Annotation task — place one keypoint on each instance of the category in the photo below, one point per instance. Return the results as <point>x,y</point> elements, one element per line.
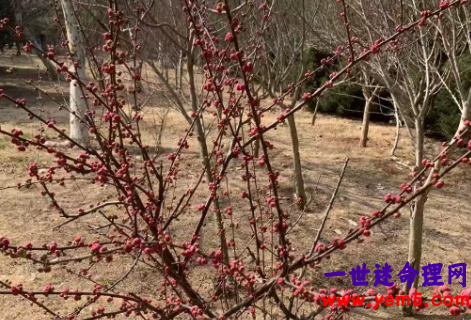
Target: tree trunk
<point>166,70</point>
<point>415,243</point>
<point>18,48</point>
<point>365,127</point>
<point>415,239</point>
<point>256,152</point>
<point>160,55</point>
<point>77,105</point>
<point>465,113</point>
<point>50,68</point>
<point>314,115</point>
<point>205,157</point>
<point>417,217</point>
<point>419,147</point>
<point>298,174</point>
<point>398,127</point>
<point>179,71</point>
<point>18,21</point>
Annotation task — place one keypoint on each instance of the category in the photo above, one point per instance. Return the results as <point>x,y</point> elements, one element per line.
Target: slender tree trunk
<point>415,239</point>
<point>166,69</point>
<point>77,105</point>
<point>256,152</point>
<point>398,128</point>
<point>417,216</point>
<point>420,139</point>
<point>365,127</point>
<point>50,68</point>
<point>179,71</point>
<point>415,243</point>
<point>18,48</point>
<point>465,113</point>
<point>298,174</point>
<point>18,21</point>
<point>160,55</point>
<point>205,156</point>
<point>314,115</point>
<point>397,136</point>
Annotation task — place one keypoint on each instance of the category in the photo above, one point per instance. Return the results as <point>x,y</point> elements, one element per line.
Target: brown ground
<point>324,147</point>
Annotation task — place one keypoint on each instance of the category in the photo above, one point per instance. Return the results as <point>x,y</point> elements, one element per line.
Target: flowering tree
<point>413,72</point>
<point>260,273</point>
<point>281,64</point>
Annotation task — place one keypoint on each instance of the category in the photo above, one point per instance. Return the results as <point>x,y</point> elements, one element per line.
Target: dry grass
<point>371,174</point>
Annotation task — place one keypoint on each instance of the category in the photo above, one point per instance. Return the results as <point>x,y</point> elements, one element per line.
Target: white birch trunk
<point>77,105</point>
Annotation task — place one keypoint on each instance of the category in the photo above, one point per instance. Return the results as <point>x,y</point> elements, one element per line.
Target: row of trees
<point>245,51</point>
<point>412,70</point>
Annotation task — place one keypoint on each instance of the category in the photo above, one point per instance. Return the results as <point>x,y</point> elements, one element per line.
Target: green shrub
<point>444,116</point>
<point>344,100</point>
